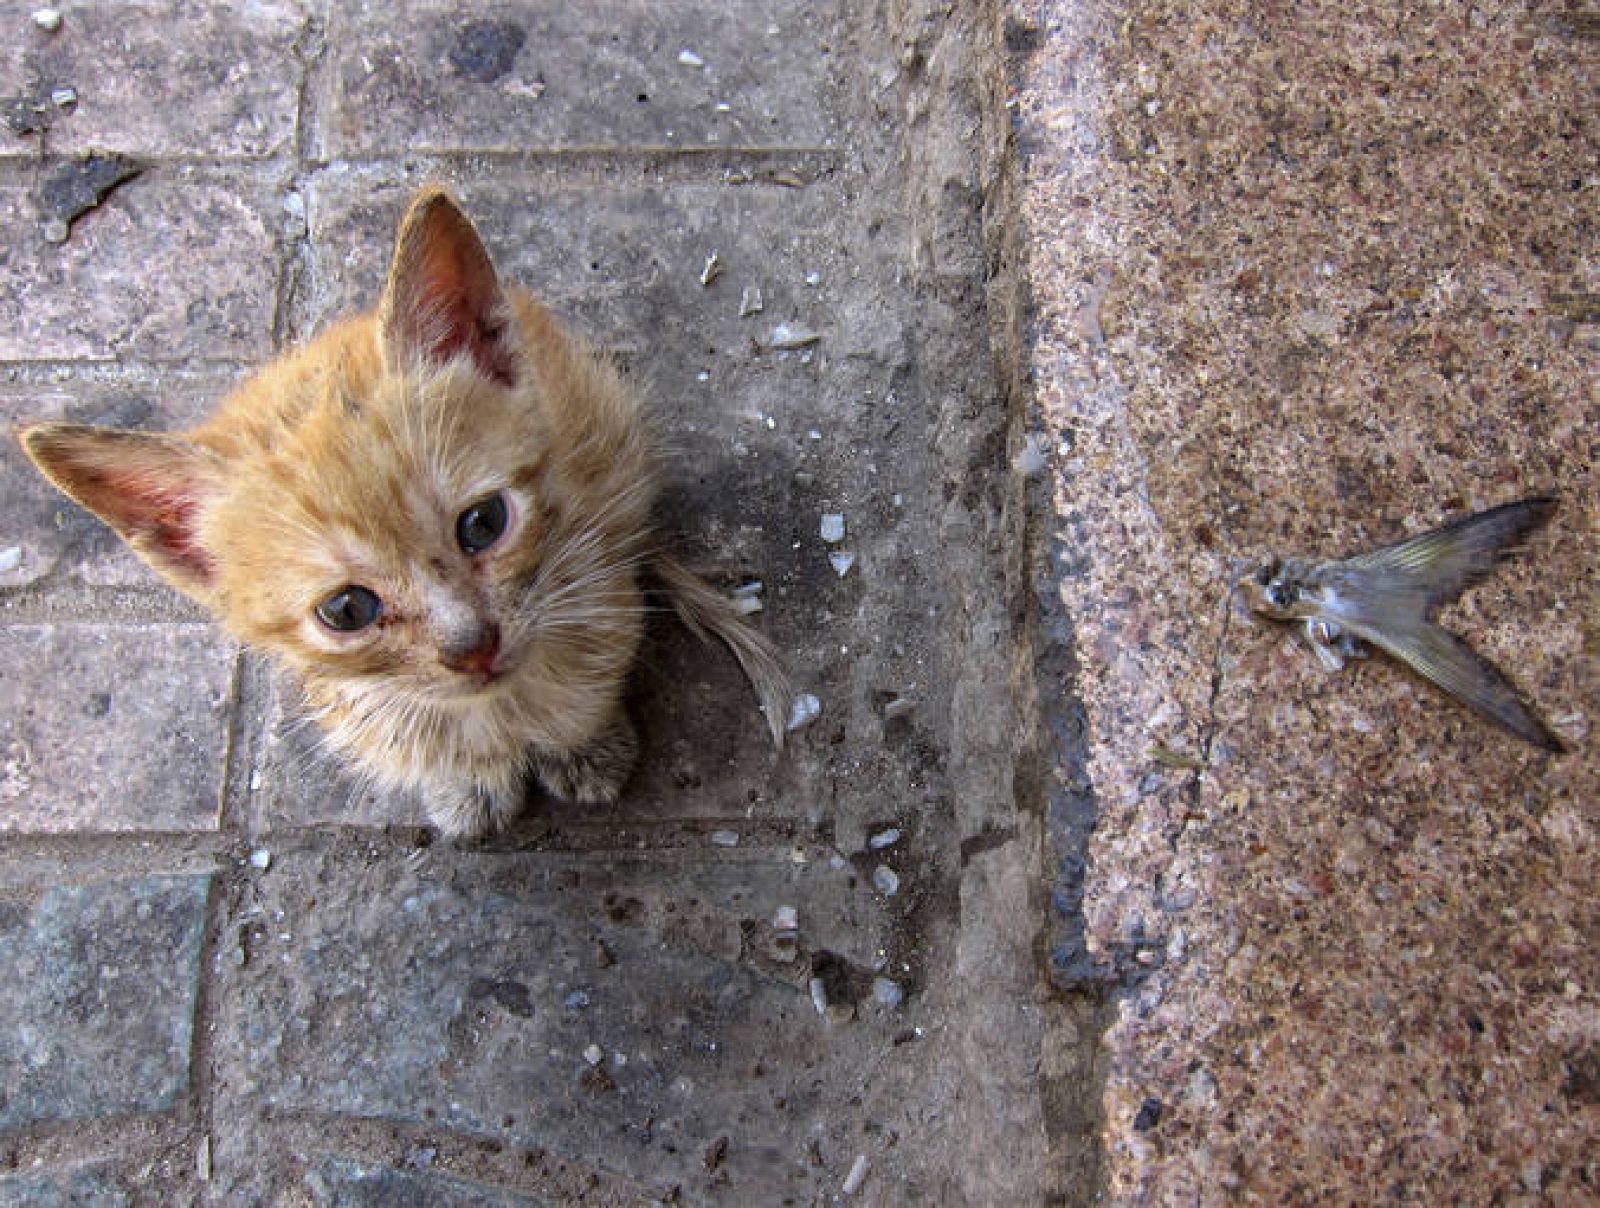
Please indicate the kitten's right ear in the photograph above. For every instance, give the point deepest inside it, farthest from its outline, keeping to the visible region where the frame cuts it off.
(442, 299)
(147, 486)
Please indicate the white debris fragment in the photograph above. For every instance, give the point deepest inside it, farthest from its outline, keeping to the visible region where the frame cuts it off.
(884, 838)
(202, 1159)
(750, 301)
(47, 19)
(689, 59)
(10, 558)
(63, 98)
(746, 605)
(813, 434)
(813, 279)
(842, 562)
(806, 709)
(819, 995)
(885, 880)
(1030, 458)
(712, 269)
(856, 1177)
(753, 588)
(786, 337)
(724, 838)
(594, 1054)
(886, 992)
(898, 707)
(261, 859)
(786, 918)
(832, 528)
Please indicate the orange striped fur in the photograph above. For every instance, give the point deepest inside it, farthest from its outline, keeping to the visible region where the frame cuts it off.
(354, 463)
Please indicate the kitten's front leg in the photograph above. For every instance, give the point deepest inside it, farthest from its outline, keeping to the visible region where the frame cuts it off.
(468, 810)
(594, 772)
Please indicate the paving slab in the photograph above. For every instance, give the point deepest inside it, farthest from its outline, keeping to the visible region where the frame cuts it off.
(549, 76)
(96, 296)
(101, 998)
(1305, 282)
(554, 1001)
(113, 727)
(148, 80)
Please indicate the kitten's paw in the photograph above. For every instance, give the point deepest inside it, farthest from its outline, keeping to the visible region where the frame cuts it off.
(594, 773)
(469, 812)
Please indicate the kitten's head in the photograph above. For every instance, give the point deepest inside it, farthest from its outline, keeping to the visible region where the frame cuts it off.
(396, 503)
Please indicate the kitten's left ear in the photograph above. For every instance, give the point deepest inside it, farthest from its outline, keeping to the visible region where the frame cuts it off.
(443, 299)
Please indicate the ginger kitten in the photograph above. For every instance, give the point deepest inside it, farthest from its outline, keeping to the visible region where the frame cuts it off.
(436, 515)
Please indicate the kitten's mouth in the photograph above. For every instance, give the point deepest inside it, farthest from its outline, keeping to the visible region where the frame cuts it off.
(481, 680)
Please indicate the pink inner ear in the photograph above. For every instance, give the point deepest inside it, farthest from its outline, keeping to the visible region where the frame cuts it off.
(444, 299)
(461, 327)
(158, 516)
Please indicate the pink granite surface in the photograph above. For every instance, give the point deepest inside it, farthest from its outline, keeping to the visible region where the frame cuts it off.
(1305, 279)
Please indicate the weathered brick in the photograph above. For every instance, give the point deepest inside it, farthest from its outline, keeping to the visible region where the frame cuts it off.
(551, 75)
(157, 79)
(112, 727)
(368, 1185)
(99, 992)
(465, 994)
(172, 266)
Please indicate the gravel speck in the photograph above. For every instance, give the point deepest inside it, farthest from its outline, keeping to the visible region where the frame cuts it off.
(806, 709)
(887, 992)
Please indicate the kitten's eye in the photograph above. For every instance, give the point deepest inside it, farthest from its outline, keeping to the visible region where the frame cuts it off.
(480, 526)
(349, 609)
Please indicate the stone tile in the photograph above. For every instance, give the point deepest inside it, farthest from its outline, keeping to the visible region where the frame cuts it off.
(368, 1185)
(172, 266)
(97, 1187)
(158, 79)
(1303, 283)
(100, 991)
(52, 535)
(465, 993)
(112, 727)
(549, 75)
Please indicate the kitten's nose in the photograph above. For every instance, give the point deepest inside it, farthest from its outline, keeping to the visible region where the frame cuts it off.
(473, 653)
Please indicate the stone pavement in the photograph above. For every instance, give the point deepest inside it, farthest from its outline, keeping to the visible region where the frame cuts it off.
(1082, 885)
(1306, 279)
(236, 978)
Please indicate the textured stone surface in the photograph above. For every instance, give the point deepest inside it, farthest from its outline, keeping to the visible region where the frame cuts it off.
(111, 727)
(154, 80)
(466, 992)
(558, 76)
(100, 995)
(351, 1047)
(1305, 282)
(102, 295)
(360, 1185)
